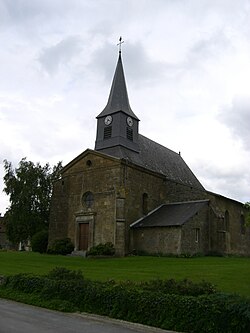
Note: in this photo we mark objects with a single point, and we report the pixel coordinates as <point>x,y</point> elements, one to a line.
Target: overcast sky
<point>187,68</point>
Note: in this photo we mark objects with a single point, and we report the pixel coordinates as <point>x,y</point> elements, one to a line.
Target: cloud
<point>22,12</point>
<point>210,48</point>
<point>237,117</point>
<point>226,179</point>
<point>60,54</point>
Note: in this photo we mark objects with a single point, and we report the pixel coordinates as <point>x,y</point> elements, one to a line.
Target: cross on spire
<point>120,44</point>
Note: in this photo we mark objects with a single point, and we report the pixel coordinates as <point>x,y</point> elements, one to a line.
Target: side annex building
<point>140,195</point>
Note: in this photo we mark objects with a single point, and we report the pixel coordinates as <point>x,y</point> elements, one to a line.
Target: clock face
<point>130,121</point>
<point>108,120</point>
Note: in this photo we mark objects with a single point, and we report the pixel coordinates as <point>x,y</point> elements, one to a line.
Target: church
<point>139,195</point>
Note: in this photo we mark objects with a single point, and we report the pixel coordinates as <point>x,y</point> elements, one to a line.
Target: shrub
<point>61,246</point>
<point>183,287</point>
<point>106,249</point>
<point>61,273</point>
<point>25,282</point>
<point>39,241</point>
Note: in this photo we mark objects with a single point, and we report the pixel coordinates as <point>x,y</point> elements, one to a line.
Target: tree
<point>29,187</point>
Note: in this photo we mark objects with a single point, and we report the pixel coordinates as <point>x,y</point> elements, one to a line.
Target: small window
<point>130,134</point>
<point>197,235</point>
<point>89,163</point>
<point>107,132</point>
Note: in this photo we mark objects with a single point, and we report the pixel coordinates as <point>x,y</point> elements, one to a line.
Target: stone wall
<point>228,233</point>
<point>195,233</point>
<point>157,240</point>
<point>138,183</point>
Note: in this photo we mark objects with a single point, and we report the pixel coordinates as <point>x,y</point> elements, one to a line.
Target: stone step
<point>78,254</point>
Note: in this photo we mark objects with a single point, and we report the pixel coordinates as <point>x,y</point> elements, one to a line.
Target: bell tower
<point>117,125</point>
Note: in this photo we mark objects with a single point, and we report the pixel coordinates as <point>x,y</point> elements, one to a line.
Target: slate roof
<point>169,215</point>
<point>118,97</point>
<point>157,158</point>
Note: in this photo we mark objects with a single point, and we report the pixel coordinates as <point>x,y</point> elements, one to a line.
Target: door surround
<point>84,218</point>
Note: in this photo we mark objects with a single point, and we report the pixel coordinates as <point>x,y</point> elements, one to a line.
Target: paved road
<point>21,318</point>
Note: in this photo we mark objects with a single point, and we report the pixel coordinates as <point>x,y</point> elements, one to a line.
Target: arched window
<point>88,199</point>
<point>226,220</point>
<point>242,224</point>
<point>145,203</point>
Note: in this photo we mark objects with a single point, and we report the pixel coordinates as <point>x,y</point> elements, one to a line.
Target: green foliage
<point>183,287</point>
<point>29,187</point>
<point>247,222</point>
<point>61,246</point>
<point>106,249</point>
<point>25,282</point>
<point>207,313</point>
<point>62,273</point>
<point>247,205</point>
<point>247,216</point>
<point>39,241</point>
<point>36,299</point>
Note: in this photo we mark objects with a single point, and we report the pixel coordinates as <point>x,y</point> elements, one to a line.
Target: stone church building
<point>140,195</point>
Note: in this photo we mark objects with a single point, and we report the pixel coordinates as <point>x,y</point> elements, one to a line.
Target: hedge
<point>208,312</point>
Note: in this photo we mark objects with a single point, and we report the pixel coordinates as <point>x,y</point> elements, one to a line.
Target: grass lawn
<point>228,274</point>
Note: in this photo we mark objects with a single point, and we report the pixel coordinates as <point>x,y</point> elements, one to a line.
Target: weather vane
<point>120,44</point>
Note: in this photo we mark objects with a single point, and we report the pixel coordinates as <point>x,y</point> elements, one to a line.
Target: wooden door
<point>83,236</point>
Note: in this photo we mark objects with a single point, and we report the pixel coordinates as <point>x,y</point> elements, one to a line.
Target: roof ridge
<point>150,213</point>
<point>187,202</point>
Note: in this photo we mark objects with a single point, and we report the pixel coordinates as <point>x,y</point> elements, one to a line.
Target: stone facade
<point>195,234</point>
<point>122,193</point>
<point>86,197</point>
<point>158,240</point>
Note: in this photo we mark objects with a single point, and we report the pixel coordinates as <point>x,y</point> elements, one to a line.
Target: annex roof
<point>170,215</point>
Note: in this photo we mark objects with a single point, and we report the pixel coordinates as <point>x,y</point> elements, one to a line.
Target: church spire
<point>118,97</point>
<point>117,125</point>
